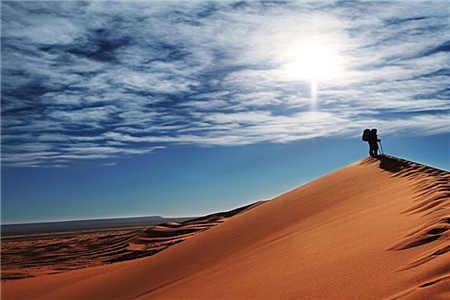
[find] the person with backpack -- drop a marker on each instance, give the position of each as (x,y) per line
(370,136)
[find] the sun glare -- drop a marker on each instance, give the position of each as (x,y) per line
(313,60)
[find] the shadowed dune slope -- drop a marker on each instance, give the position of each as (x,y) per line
(374,229)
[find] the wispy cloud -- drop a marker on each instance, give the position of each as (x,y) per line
(102,80)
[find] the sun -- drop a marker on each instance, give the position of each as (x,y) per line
(311,59)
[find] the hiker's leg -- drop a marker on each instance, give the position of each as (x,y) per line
(371,150)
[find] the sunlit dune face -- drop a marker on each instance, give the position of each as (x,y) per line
(311,59)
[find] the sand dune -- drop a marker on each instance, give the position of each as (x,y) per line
(372,230)
(29,257)
(35,255)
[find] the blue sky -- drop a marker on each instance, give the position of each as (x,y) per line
(179,108)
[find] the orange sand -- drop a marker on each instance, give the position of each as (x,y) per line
(368,231)
(36,255)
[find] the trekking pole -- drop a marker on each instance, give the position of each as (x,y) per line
(381,148)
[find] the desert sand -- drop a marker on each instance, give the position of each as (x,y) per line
(372,230)
(31,255)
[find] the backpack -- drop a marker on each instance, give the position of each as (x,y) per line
(366,135)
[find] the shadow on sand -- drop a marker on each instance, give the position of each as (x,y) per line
(392,164)
(402,167)
(431,200)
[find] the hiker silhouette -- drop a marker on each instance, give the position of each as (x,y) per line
(370,136)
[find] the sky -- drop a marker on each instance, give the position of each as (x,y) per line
(176,108)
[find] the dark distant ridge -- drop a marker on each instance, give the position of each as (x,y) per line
(79,225)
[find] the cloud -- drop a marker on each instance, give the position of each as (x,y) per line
(97,80)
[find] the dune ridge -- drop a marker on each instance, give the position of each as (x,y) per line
(432,199)
(33,256)
(157,238)
(372,230)
(432,188)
